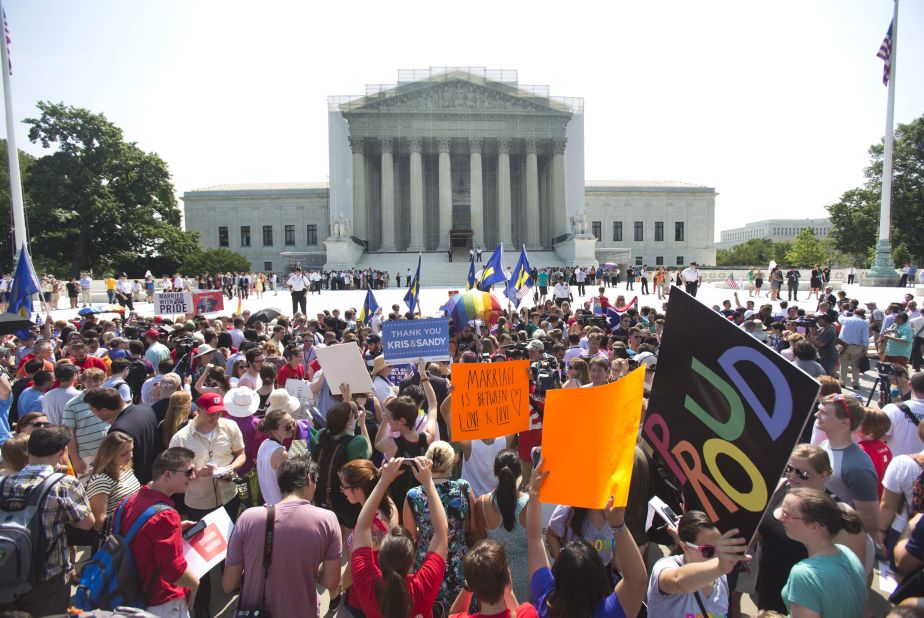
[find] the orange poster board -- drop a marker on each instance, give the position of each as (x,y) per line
(489,400)
(588,442)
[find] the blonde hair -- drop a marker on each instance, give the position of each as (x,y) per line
(442,456)
(105,460)
(177,414)
(815,456)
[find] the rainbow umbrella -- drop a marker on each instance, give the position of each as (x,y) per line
(472,305)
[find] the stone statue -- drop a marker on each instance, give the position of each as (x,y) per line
(579,224)
(346,227)
(335,229)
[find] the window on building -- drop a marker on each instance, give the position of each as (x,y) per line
(679,260)
(678,231)
(223,237)
(290,235)
(312,238)
(268,267)
(638,261)
(267,235)
(639,231)
(596,227)
(659,261)
(617,231)
(245,235)
(659,231)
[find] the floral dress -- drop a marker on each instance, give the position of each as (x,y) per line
(454,496)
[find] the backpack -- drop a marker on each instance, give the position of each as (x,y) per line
(110,578)
(917,490)
(137,375)
(23,548)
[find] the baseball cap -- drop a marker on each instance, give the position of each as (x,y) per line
(536,345)
(152,332)
(211,403)
(373,338)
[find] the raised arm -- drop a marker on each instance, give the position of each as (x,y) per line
(431,428)
(535,548)
(695,575)
(446,412)
(439,544)
(632,587)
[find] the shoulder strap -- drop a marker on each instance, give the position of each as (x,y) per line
(330,475)
(268,546)
(699,601)
(148,513)
(37,495)
(908,414)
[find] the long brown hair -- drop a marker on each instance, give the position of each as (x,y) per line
(177,414)
(820,508)
(396,557)
(363,474)
(106,457)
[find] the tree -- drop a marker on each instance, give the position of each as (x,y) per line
(806,250)
(7,255)
(855,217)
(753,252)
(214,261)
(99,200)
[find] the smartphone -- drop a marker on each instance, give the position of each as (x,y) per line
(535,453)
(408,464)
(199,527)
(670,515)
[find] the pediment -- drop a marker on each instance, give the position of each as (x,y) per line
(456,92)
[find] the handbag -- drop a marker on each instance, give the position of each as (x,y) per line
(261,611)
(863,365)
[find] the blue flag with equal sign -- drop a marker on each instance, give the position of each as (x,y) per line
(369,307)
(24,285)
(413,290)
(493,271)
(521,282)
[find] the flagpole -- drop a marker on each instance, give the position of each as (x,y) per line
(19,213)
(882,273)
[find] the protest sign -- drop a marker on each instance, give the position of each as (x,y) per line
(172,303)
(208,301)
(489,400)
(300,389)
(724,414)
(399,373)
(588,442)
(208,548)
(343,364)
(412,341)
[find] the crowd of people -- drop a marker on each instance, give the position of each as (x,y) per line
(370,497)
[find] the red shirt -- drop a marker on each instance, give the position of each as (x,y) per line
(524,610)
(286,373)
(91,362)
(160,543)
(881,455)
(424,584)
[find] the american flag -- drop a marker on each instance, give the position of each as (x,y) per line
(730,281)
(885,52)
(6,35)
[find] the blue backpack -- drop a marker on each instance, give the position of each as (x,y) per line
(110,579)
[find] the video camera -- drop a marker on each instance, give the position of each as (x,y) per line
(590,319)
(544,374)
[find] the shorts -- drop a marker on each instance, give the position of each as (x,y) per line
(543,290)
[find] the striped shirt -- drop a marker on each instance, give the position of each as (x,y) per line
(102,483)
(88,429)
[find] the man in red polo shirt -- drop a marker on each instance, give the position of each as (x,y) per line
(163,575)
(84,360)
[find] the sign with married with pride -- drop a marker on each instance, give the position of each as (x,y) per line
(724,414)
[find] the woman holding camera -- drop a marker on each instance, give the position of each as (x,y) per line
(384,584)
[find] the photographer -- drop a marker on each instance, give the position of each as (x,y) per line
(543,367)
(824,337)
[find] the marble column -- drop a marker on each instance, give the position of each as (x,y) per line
(559,218)
(445,189)
(532,195)
(477,200)
(417,199)
(357,144)
(504,234)
(388,196)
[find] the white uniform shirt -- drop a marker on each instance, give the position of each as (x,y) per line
(297,283)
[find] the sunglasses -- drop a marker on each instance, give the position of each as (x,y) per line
(187,473)
(38,424)
(707,551)
(802,474)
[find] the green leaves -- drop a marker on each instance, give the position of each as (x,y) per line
(214,261)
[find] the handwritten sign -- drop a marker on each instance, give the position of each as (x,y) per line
(343,363)
(591,464)
(208,301)
(412,341)
(172,303)
(300,389)
(210,546)
(724,414)
(489,400)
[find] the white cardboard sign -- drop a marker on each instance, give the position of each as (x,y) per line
(343,363)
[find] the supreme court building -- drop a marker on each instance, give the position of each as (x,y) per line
(456,158)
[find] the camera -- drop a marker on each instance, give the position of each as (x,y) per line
(590,319)
(807,322)
(885,369)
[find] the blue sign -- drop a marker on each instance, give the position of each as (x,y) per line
(411,341)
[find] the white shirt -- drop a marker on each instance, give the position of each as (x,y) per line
(561,290)
(297,283)
(690,275)
(902,436)
(53,402)
(124,286)
(269,486)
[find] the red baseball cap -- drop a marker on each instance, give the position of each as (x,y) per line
(153,333)
(211,403)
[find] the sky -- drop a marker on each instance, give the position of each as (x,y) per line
(773,104)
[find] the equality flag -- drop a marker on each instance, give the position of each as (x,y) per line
(470,282)
(885,52)
(493,271)
(369,307)
(413,290)
(520,282)
(24,285)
